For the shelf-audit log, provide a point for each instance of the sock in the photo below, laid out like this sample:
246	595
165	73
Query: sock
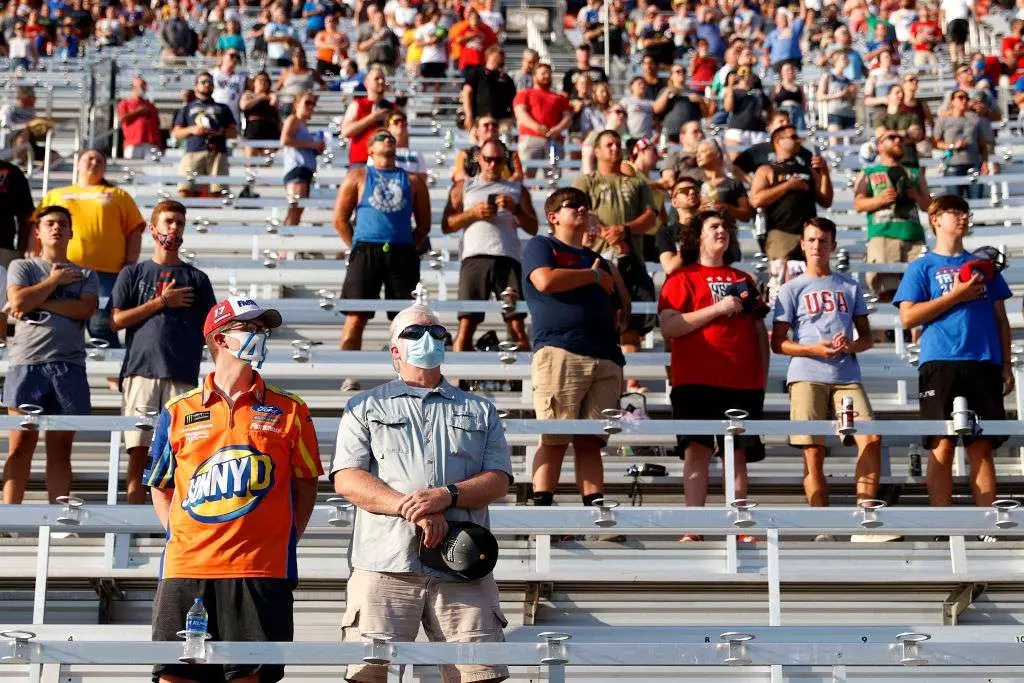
543	498
589	500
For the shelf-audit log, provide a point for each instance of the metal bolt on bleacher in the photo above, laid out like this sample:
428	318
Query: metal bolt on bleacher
965	421
146	416
741	513
379	650
869	512
30	416
1003	511
910	648
612	423
605	514
18	643
72	513
342	512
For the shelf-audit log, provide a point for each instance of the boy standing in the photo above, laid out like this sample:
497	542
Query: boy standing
822	309
965	346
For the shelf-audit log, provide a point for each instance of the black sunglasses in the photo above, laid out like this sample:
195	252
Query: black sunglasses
492	160
892	136
383	137
574	204
416	331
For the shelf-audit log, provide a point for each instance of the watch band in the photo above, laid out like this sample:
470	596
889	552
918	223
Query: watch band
453	491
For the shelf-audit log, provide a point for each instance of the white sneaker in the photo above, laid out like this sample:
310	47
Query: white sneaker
874	538
824	538
985	538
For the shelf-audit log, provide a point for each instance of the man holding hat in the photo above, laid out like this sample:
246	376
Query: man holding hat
233	470
421	460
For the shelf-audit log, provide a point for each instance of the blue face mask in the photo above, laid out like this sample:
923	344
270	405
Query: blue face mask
252	347
425	353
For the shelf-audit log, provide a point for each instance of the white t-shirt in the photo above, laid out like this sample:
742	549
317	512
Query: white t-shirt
493	19
955	9
901	20
432	54
228	89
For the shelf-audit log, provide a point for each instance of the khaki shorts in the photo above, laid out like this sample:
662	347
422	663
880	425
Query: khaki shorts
568	386
449	611
141	393
820	401
780	244
889	250
203	163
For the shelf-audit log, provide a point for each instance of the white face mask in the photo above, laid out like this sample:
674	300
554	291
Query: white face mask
252	346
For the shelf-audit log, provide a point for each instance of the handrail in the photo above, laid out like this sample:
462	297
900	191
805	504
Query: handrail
535	41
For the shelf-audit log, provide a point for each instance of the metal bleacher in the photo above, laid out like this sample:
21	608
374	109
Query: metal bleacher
937	605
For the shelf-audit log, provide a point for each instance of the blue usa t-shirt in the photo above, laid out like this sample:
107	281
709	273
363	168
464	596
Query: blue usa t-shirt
966	332
816	308
580	320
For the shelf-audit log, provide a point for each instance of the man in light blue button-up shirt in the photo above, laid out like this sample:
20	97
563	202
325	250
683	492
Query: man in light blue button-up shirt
413	455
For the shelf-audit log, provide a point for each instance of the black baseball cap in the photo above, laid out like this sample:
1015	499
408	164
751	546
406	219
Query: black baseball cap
469	551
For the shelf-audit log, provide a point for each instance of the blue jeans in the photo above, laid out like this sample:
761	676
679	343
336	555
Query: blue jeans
970	190
99	323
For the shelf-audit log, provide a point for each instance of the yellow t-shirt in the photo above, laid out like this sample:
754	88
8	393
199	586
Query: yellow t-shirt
101	219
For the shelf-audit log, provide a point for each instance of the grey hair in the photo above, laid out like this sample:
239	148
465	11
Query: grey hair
408	316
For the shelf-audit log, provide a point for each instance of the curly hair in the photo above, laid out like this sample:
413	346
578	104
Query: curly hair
689	237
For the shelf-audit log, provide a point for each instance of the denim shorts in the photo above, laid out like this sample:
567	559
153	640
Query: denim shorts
59	388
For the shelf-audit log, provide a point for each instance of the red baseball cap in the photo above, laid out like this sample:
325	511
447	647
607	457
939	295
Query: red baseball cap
230	310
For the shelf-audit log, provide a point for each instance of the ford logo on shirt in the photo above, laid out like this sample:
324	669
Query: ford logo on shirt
229	484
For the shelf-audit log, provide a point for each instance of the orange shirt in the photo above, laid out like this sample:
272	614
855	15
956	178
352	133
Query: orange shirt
231	468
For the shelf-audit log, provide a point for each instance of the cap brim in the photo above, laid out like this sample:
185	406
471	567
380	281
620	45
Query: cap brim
271	317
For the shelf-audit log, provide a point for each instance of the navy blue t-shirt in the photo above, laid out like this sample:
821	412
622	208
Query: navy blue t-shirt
581	320
966	332
215	115
168	345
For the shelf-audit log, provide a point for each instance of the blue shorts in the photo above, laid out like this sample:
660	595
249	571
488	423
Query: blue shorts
59	387
840	120
299	174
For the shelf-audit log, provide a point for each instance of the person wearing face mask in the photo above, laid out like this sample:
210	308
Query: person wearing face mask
233	473
416	456
161	304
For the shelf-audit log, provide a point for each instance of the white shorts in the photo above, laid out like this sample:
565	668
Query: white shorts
138	151
741	139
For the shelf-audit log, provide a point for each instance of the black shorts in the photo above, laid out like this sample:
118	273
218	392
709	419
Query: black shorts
702	402
258	610
939	382
370	267
957	30
327	68
481	277
299	174
262	129
434	70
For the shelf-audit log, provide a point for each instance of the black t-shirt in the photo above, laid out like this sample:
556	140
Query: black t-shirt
763	153
168	345
793	209
616	41
748	110
595	73
15	204
680	112
493	92
666	239
214	116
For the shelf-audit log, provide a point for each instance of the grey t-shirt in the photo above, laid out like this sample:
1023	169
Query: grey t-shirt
970	128
498	236
816	308
58	338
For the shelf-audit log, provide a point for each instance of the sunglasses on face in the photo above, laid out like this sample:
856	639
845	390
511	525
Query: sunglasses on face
492	160
204	81
232	55
384	137
573	204
687	190
487	124
438	332
892	136
959	97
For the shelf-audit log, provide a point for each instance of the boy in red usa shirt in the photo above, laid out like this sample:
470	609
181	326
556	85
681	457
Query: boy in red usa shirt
713	316
234	468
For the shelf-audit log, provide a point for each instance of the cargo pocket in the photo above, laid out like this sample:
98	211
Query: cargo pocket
350	626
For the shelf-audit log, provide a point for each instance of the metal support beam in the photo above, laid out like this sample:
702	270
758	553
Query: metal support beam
959	600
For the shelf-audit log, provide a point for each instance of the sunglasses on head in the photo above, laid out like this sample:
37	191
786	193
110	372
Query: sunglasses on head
573	204
383	137
416	331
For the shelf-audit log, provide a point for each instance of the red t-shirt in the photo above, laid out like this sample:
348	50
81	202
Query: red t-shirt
358	145
723	353
144	129
547	108
704	69
925	34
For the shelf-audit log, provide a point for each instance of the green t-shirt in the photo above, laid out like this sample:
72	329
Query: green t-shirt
616	200
899	221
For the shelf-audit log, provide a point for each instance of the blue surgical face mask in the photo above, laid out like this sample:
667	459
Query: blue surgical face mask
425	353
252	347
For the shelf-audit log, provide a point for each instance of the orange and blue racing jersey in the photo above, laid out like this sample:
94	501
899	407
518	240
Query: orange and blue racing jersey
230	467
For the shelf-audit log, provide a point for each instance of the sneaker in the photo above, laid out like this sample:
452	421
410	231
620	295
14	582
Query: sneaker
63	534
691	538
350	385
824	538
874	538
985	538
8	534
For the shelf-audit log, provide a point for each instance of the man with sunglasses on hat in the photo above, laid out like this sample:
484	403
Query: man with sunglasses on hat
205	126
578	306
414	456
489	211
233	473
891	194
381	200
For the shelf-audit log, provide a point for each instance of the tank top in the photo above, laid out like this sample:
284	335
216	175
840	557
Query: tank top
899	221
295	157
498	236
358	144
784	96
384	212
836	85
794	208
293	85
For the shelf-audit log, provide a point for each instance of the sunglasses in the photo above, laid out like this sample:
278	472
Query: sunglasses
233	55
573	204
960	97
892	136
620	112
398	121
204	81
492	160
438	332
487	124
383	137
687	190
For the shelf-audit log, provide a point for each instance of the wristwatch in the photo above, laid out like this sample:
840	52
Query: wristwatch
453	491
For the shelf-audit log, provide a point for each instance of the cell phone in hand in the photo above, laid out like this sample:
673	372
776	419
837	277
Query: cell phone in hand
492	200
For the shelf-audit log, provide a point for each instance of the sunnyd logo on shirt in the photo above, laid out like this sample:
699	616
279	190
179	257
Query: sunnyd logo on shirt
229	484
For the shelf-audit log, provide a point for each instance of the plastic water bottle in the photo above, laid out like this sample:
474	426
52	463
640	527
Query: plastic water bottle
196	622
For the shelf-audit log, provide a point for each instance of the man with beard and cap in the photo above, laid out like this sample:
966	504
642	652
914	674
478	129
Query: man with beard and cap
233	473
891	195
161	304
418	457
